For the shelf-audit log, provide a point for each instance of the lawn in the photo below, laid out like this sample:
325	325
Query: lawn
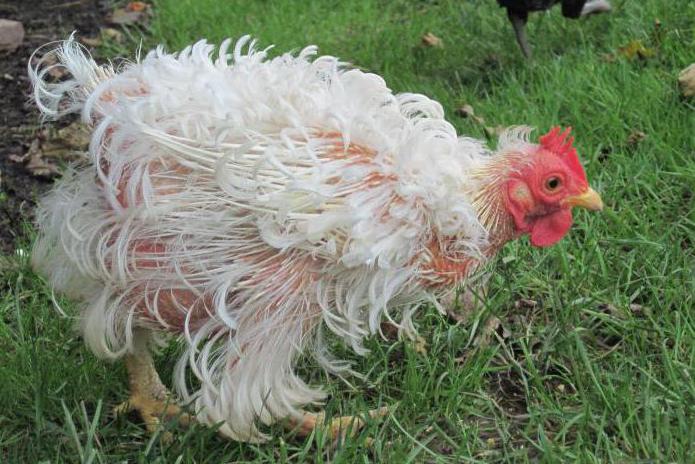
583	352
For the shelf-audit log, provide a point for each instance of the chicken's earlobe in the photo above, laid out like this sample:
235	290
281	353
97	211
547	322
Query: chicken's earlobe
519	203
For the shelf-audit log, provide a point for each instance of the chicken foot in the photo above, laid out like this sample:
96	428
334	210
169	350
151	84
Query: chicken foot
339	428
148	395
153	401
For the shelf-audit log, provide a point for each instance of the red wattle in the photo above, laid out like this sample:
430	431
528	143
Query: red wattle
548	230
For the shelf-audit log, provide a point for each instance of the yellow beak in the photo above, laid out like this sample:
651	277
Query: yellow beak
589	200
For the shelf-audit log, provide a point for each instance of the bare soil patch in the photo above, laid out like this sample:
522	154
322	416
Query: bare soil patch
44	21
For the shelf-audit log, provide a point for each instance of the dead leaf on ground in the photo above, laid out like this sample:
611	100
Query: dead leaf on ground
638	309
496	131
91	41
389	331
137	6
635	138
525	303
431	40
611	310
492	326
467	111
112	34
458	314
636	49
133	13
74	136
420	345
686	79
58	72
49	148
50	63
35	162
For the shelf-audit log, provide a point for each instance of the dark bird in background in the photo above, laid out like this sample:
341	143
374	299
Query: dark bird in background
518	11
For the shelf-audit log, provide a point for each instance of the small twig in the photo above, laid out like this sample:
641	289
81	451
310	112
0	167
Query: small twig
66	5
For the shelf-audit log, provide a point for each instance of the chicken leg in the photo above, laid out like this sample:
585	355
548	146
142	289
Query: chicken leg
518	15
148	395
518	20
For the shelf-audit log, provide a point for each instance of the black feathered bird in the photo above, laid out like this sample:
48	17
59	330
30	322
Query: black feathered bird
518	11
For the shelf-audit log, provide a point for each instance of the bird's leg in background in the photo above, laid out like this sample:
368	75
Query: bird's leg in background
148	395
596	6
338	428
518	19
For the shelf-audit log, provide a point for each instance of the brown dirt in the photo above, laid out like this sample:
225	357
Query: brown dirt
44	21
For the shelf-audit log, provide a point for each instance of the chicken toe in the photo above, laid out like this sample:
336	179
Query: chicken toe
339	428
152	411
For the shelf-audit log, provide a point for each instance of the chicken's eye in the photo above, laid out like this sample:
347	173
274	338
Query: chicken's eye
553	183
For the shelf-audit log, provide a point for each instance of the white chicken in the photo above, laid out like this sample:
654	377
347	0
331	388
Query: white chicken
248	204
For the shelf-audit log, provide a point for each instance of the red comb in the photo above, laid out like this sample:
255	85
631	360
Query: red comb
560	143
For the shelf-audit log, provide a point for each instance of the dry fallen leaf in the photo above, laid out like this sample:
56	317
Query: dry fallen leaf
136	6
492	325
49	148
467	111
58	72
635	138
420	345
494	131
636	49
525	303
74	136
91	41
431	40
50	63
35	161
112	34
134	12
686	79
638	309
41	167
389	331
122	17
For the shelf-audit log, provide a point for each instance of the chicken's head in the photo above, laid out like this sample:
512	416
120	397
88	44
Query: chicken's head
540	195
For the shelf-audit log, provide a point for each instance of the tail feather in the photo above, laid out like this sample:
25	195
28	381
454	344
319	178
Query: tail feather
56	99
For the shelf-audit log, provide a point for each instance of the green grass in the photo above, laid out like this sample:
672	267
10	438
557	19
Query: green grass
599	370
